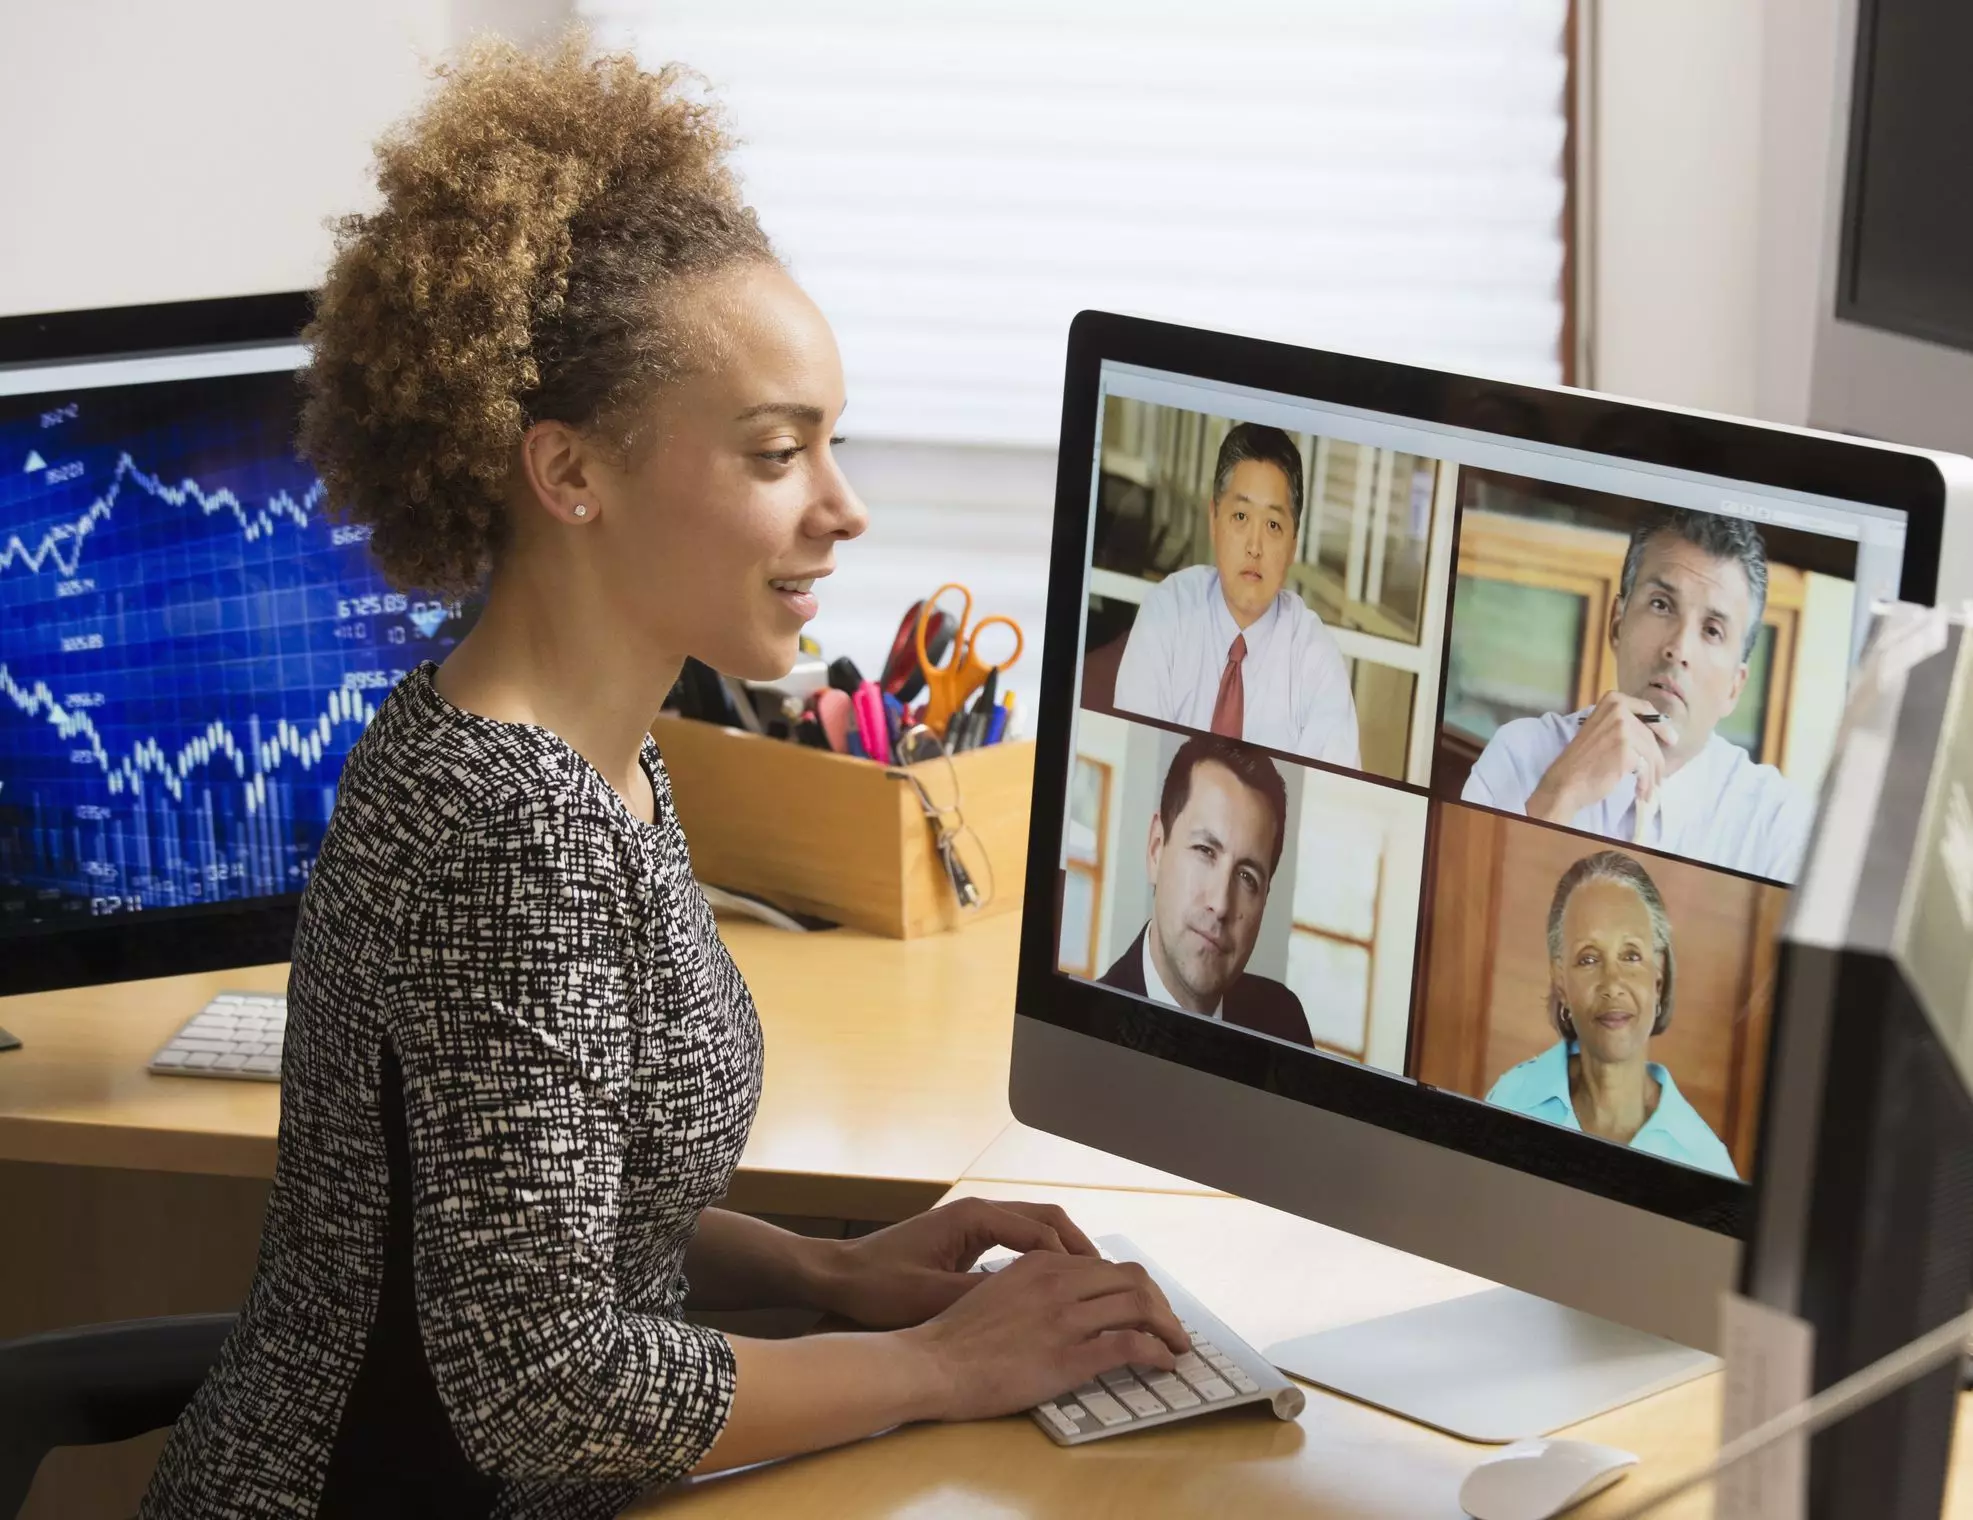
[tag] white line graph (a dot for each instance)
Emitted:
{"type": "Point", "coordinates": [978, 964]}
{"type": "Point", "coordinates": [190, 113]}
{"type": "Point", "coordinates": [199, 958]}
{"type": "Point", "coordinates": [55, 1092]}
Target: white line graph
{"type": "Point", "coordinates": [255, 522]}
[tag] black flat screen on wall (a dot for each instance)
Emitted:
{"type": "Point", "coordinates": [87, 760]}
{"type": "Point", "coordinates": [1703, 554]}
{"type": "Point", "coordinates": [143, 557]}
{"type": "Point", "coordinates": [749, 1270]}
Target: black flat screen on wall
{"type": "Point", "coordinates": [1907, 253]}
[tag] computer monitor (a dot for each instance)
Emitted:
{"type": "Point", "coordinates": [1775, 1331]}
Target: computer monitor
{"type": "Point", "coordinates": [1333, 964]}
{"type": "Point", "coordinates": [188, 646]}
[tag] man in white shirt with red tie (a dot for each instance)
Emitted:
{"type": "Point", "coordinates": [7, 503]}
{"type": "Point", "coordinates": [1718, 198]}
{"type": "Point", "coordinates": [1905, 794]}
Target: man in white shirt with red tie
{"type": "Point", "coordinates": [1226, 648]}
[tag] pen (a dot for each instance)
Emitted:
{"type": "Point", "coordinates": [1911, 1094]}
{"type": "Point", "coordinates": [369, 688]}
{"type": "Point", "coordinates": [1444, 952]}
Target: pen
{"type": "Point", "coordinates": [997, 724]}
{"type": "Point", "coordinates": [1650, 717]}
{"type": "Point", "coordinates": [870, 723]}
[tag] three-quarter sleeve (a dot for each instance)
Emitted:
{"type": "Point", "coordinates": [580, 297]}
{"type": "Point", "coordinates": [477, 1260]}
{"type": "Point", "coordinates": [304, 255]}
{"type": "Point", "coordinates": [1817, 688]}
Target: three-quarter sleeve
{"type": "Point", "coordinates": [507, 1009]}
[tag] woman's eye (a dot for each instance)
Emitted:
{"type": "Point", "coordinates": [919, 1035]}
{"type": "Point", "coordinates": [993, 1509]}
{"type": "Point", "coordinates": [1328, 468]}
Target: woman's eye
{"type": "Point", "coordinates": [782, 456]}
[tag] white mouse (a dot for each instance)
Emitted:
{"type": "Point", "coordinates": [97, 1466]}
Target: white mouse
{"type": "Point", "coordinates": [1532, 1480]}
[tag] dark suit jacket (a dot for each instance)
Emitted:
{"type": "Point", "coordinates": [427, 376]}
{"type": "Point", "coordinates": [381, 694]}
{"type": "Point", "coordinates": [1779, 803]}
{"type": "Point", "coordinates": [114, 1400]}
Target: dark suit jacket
{"type": "Point", "coordinates": [1252, 1002]}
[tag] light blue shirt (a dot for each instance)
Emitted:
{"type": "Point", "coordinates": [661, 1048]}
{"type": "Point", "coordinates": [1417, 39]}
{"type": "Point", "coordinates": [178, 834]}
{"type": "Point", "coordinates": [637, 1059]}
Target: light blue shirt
{"type": "Point", "coordinates": [1539, 1088]}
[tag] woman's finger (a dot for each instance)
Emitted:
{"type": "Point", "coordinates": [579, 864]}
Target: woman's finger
{"type": "Point", "coordinates": [1118, 1348]}
{"type": "Point", "coordinates": [1139, 1307]}
{"type": "Point", "coordinates": [998, 1225]}
{"type": "Point", "coordinates": [1057, 1219]}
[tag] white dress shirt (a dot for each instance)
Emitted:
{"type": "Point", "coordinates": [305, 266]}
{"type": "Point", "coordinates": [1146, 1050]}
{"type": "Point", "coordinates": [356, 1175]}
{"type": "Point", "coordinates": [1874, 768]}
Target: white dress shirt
{"type": "Point", "coordinates": [1719, 807]}
{"type": "Point", "coordinates": [1295, 685]}
{"type": "Point", "coordinates": [1154, 985]}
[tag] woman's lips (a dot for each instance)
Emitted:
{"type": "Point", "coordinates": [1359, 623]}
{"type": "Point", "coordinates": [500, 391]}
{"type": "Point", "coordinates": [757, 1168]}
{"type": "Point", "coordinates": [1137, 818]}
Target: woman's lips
{"type": "Point", "coordinates": [1615, 1018]}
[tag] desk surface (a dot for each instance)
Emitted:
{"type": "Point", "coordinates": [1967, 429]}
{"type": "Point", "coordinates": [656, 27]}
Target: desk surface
{"type": "Point", "coordinates": [1268, 1275]}
{"type": "Point", "coordinates": [886, 1071]}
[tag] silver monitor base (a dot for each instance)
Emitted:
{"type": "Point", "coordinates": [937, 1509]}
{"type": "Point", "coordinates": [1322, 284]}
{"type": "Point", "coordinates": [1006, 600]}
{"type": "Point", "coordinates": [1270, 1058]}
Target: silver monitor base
{"type": "Point", "coordinates": [1494, 1366]}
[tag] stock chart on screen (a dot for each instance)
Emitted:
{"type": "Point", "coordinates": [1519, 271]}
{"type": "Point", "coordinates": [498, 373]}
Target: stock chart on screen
{"type": "Point", "coordinates": [188, 648]}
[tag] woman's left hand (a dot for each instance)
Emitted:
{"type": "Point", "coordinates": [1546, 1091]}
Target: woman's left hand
{"type": "Point", "coordinates": [910, 1272]}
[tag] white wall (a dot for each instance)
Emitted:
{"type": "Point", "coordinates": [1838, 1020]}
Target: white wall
{"type": "Point", "coordinates": [171, 151]}
{"type": "Point", "coordinates": [1678, 160]}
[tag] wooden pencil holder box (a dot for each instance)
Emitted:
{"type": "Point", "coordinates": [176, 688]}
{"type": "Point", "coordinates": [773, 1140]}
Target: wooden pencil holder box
{"type": "Point", "coordinates": [836, 837]}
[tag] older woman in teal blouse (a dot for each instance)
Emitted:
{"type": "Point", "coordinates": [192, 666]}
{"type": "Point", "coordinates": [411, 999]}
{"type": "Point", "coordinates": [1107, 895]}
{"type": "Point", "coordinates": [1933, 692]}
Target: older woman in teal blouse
{"type": "Point", "coordinates": [1611, 979]}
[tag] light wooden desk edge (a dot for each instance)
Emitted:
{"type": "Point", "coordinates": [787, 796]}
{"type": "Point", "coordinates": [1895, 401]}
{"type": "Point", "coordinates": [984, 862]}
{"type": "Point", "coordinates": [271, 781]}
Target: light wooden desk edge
{"type": "Point", "coordinates": [886, 1072]}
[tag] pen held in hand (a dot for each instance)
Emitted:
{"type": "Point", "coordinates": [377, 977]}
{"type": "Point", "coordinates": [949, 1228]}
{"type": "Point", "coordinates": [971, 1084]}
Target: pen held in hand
{"type": "Point", "coordinates": [1650, 717]}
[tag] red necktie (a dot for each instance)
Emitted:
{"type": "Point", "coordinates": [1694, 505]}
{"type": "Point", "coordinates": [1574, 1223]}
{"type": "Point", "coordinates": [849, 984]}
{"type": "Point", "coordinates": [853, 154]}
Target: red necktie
{"type": "Point", "coordinates": [1230, 708]}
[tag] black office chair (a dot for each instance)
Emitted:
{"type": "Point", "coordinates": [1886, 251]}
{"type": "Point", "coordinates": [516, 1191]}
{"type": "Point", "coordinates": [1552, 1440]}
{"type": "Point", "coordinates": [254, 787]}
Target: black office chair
{"type": "Point", "coordinates": [96, 1383]}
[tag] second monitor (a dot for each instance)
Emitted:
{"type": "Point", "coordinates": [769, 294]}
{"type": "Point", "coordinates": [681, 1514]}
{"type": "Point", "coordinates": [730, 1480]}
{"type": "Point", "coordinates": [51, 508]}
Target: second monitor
{"type": "Point", "coordinates": [1424, 766]}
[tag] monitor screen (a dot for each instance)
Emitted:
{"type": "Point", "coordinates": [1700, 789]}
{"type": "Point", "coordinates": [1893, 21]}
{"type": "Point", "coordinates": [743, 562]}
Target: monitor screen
{"type": "Point", "coordinates": [188, 646]}
{"type": "Point", "coordinates": [1481, 763]}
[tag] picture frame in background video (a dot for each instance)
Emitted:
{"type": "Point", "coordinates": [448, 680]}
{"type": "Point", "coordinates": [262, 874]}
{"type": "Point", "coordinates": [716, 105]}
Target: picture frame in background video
{"type": "Point", "coordinates": [1496, 1021]}
{"type": "Point", "coordinates": [1323, 958]}
{"type": "Point", "coordinates": [1201, 515]}
{"type": "Point", "coordinates": [1535, 642]}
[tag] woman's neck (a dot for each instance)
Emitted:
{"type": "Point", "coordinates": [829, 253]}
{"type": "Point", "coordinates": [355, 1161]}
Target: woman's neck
{"type": "Point", "coordinates": [542, 655]}
{"type": "Point", "coordinates": [1612, 1100]}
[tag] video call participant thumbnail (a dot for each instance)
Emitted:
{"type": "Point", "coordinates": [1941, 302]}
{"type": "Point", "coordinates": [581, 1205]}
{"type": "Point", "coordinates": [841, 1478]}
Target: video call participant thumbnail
{"type": "Point", "coordinates": [1215, 844]}
{"type": "Point", "coordinates": [1687, 614]}
{"type": "Point", "coordinates": [1612, 975]}
{"type": "Point", "coordinates": [1225, 647]}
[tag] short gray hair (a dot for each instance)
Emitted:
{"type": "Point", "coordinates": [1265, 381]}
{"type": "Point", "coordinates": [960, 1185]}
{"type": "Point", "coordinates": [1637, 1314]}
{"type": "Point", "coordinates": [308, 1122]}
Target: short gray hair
{"type": "Point", "coordinates": [1731, 538]}
{"type": "Point", "coordinates": [1613, 865]}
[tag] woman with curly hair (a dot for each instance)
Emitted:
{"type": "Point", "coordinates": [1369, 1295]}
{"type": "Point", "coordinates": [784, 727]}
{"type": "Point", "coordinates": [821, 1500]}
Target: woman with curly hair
{"type": "Point", "coordinates": [561, 361]}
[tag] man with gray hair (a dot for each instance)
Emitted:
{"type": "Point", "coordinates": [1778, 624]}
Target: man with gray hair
{"type": "Point", "coordinates": [1646, 764]}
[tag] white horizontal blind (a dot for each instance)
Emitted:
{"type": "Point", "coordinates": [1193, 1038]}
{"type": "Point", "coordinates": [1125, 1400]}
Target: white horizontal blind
{"type": "Point", "coordinates": [954, 182]}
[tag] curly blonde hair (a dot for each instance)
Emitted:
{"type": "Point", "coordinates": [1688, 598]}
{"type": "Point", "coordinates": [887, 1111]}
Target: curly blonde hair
{"type": "Point", "coordinates": [537, 214]}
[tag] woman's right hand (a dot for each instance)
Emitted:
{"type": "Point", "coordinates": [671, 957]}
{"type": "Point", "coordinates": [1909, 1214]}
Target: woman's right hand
{"type": "Point", "coordinates": [1043, 1325]}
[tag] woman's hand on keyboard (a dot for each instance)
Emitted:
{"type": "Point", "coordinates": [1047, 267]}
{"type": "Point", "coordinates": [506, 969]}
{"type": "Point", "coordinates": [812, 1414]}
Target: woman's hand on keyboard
{"type": "Point", "coordinates": [911, 1271]}
{"type": "Point", "coordinates": [1044, 1324]}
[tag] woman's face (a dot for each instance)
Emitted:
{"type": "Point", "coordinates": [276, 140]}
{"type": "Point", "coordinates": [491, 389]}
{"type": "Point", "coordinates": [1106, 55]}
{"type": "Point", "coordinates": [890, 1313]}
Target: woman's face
{"type": "Point", "coordinates": [1609, 976]}
{"type": "Point", "coordinates": [732, 502]}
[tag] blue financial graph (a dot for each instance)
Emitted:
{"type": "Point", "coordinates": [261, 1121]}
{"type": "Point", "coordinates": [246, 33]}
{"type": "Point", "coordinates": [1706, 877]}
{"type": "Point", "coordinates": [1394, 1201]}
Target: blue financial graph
{"type": "Point", "coordinates": [188, 649]}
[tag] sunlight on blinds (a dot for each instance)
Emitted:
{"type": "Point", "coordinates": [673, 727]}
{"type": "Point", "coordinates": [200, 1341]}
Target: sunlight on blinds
{"type": "Point", "coordinates": [953, 183]}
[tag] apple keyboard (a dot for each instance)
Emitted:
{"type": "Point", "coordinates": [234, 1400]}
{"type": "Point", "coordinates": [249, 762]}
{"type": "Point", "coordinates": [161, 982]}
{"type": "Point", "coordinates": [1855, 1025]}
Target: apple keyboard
{"type": "Point", "coordinates": [1221, 1371]}
{"type": "Point", "coordinates": [236, 1035]}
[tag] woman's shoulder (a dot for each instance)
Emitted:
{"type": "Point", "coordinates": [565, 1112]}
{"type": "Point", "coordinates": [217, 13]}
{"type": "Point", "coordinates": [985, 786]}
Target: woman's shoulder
{"type": "Point", "coordinates": [1535, 1080]}
{"type": "Point", "coordinates": [1683, 1124]}
{"type": "Point", "coordinates": [434, 771]}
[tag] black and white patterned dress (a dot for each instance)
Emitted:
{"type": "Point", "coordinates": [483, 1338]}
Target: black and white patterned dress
{"type": "Point", "coordinates": [519, 1062]}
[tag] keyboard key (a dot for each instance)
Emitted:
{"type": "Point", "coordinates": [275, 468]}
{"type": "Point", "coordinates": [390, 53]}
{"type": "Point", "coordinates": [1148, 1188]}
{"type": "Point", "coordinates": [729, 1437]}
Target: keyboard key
{"type": "Point", "coordinates": [1059, 1420]}
{"type": "Point", "coordinates": [1190, 1362]}
{"type": "Point", "coordinates": [168, 1057]}
{"type": "Point", "coordinates": [1109, 1411]}
{"type": "Point", "coordinates": [1089, 1388]}
{"type": "Point", "coordinates": [265, 1066]}
{"type": "Point", "coordinates": [1241, 1381]}
{"type": "Point", "coordinates": [231, 1061]}
{"type": "Point", "coordinates": [1117, 1377]}
{"type": "Point", "coordinates": [1142, 1401]}
{"type": "Point", "coordinates": [1175, 1393]}
{"type": "Point", "coordinates": [1213, 1390]}
{"type": "Point", "coordinates": [199, 1060]}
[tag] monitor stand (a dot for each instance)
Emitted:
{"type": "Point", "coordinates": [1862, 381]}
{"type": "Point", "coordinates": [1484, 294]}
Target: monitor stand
{"type": "Point", "coordinates": [1496, 1366]}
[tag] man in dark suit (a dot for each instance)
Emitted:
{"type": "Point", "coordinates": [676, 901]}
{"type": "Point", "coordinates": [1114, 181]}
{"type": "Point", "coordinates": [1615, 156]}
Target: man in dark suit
{"type": "Point", "coordinates": [1214, 847]}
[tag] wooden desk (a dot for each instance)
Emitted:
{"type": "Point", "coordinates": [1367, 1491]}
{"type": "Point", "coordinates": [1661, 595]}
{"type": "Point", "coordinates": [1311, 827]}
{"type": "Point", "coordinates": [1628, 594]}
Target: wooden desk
{"type": "Point", "coordinates": [1022, 1155]}
{"type": "Point", "coordinates": [1268, 1275]}
{"type": "Point", "coordinates": [886, 1072]}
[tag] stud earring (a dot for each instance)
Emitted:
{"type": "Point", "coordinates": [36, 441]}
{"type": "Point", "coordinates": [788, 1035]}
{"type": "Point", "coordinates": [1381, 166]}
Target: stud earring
{"type": "Point", "coordinates": [581, 509]}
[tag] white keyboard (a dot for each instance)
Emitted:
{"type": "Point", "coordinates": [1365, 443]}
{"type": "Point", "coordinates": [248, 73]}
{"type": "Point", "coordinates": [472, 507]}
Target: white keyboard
{"type": "Point", "coordinates": [237, 1034]}
{"type": "Point", "coordinates": [1221, 1371]}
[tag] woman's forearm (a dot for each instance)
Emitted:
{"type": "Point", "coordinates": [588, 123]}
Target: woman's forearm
{"type": "Point", "coordinates": [802, 1395]}
{"type": "Point", "coordinates": [735, 1262]}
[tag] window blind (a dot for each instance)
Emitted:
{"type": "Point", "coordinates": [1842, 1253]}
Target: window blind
{"type": "Point", "coordinates": [953, 183]}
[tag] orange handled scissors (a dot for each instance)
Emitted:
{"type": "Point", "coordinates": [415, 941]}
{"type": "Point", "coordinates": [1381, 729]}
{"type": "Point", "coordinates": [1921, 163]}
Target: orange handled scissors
{"type": "Point", "coordinates": [963, 672]}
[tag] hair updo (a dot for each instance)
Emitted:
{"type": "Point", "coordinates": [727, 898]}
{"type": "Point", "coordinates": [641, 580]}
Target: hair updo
{"type": "Point", "coordinates": [537, 212]}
